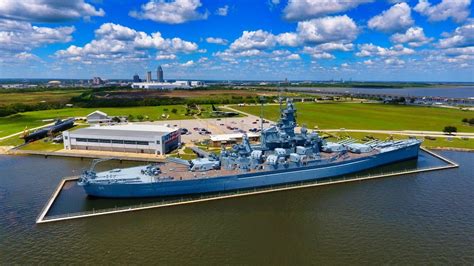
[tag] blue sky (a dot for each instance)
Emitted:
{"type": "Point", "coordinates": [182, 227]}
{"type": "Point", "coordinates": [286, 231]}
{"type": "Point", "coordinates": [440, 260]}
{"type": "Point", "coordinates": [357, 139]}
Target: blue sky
{"type": "Point", "coordinates": [415, 40]}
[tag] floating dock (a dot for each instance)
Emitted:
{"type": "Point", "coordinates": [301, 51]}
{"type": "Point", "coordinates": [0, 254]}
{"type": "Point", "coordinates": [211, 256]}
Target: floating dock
{"type": "Point", "coordinates": [43, 218]}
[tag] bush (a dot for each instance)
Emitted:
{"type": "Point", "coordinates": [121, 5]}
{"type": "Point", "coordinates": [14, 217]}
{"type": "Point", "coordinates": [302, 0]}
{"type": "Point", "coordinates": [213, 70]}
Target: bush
{"type": "Point", "coordinates": [450, 129]}
{"type": "Point", "coordinates": [174, 110]}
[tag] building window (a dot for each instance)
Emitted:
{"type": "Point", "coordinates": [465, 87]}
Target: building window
{"type": "Point", "coordinates": [81, 140]}
{"type": "Point", "coordinates": [158, 142]}
{"type": "Point", "coordinates": [142, 142]}
{"type": "Point", "coordinates": [116, 141]}
{"type": "Point", "coordinates": [92, 140]}
{"type": "Point", "coordinates": [104, 141]}
{"type": "Point", "coordinates": [65, 137]}
{"type": "Point", "coordinates": [130, 142]}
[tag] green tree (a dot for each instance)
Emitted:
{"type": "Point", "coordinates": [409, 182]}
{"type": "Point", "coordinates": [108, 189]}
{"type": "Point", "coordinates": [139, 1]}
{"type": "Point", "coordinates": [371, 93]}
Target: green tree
{"type": "Point", "coordinates": [450, 129]}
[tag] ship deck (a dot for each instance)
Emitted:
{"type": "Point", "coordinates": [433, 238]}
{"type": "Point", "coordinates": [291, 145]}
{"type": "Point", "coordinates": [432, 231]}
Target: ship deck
{"type": "Point", "coordinates": [181, 172]}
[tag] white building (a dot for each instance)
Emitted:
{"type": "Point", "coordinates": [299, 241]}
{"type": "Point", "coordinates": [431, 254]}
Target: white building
{"type": "Point", "coordinates": [179, 84]}
{"type": "Point", "coordinates": [97, 117]}
{"type": "Point", "coordinates": [136, 138]}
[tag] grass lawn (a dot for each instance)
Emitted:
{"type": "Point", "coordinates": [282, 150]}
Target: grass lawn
{"type": "Point", "coordinates": [42, 145]}
{"type": "Point", "coordinates": [371, 116]}
{"type": "Point", "coordinates": [444, 141]}
{"type": "Point", "coordinates": [17, 122]}
{"type": "Point", "coordinates": [57, 96]}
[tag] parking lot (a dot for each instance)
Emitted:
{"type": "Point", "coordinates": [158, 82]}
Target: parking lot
{"type": "Point", "coordinates": [214, 126]}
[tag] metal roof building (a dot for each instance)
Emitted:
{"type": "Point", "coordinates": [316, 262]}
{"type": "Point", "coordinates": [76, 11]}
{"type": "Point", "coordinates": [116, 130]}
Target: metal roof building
{"type": "Point", "coordinates": [136, 138]}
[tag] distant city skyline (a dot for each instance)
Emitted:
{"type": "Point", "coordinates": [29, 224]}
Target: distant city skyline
{"type": "Point", "coordinates": [384, 40]}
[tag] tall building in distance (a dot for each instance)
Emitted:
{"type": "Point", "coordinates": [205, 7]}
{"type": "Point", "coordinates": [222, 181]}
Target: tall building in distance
{"type": "Point", "coordinates": [148, 76]}
{"type": "Point", "coordinates": [136, 78]}
{"type": "Point", "coordinates": [159, 73]}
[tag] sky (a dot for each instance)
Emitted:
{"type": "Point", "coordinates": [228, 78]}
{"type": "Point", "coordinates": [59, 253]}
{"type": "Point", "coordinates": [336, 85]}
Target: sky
{"type": "Point", "coordinates": [373, 40]}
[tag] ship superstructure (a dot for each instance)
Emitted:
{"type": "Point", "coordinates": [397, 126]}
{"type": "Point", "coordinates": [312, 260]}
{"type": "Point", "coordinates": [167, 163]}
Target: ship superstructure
{"type": "Point", "coordinates": [282, 156]}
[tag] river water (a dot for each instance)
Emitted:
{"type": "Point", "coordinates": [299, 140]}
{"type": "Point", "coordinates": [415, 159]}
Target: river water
{"type": "Point", "coordinates": [446, 92]}
{"type": "Point", "coordinates": [420, 218]}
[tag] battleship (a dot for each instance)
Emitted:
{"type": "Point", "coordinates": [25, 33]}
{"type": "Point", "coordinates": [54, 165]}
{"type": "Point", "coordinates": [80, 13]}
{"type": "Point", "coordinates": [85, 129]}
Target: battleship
{"type": "Point", "coordinates": [282, 156]}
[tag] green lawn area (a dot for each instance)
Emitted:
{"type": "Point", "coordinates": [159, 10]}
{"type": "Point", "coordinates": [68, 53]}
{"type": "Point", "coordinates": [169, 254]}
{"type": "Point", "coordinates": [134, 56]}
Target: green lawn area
{"type": "Point", "coordinates": [445, 141]}
{"type": "Point", "coordinates": [17, 122]}
{"type": "Point", "coordinates": [371, 116]}
{"type": "Point", "coordinates": [42, 145]}
{"type": "Point", "coordinates": [56, 96]}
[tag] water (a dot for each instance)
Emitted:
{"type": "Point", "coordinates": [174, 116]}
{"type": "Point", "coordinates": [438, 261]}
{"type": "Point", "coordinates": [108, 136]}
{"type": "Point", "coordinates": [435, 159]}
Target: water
{"type": "Point", "coordinates": [421, 218]}
{"type": "Point", "coordinates": [446, 92]}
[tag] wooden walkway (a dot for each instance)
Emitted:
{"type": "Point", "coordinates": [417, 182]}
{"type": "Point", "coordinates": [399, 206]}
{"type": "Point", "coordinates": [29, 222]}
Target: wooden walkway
{"type": "Point", "coordinates": [183, 201]}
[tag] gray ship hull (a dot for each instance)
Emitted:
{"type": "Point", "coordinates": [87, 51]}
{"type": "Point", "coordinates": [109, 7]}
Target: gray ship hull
{"type": "Point", "coordinates": [251, 180]}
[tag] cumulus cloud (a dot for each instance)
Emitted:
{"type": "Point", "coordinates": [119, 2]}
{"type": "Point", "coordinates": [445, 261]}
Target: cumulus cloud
{"type": "Point", "coordinates": [328, 29]}
{"type": "Point", "coordinates": [22, 36]}
{"type": "Point", "coordinates": [222, 11]}
{"type": "Point", "coordinates": [457, 10]}
{"type": "Point", "coordinates": [317, 35]}
{"type": "Point", "coordinates": [317, 53]}
{"type": "Point", "coordinates": [165, 56]}
{"type": "Point", "coordinates": [47, 10]}
{"type": "Point", "coordinates": [114, 41]}
{"type": "Point", "coordinates": [414, 36]}
{"type": "Point", "coordinates": [254, 40]}
{"type": "Point", "coordinates": [188, 63]}
{"type": "Point", "coordinates": [394, 61]}
{"type": "Point", "coordinates": [307, 9]}
{"type": "Point", "coordinates": [461, 37]}
{"type": "Point", "coordinates": [170, 12]}
{"type": "Point", "coordinates": [374, 50]}
{"type": "Point", "coordinates": [395, 19]}
{"type": "Point", "coordinates": [216, 40]}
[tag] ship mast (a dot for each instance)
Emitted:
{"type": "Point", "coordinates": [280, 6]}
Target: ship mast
{"type": "Point", "coordinates": [262, 140]}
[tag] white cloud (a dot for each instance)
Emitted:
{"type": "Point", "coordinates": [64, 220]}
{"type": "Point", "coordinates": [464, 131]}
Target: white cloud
{"type": "Point", "coordinates": [22, 36]}
{"type": "Point", "coordinates": [188, 63]}
{"type": "Point", "coordinates": [461, 37]}
{"type": "Point", "coordinates": [47, 10]}
{"type": "Point", "coordinates": [397, 18]}
{"type": "Point", "coordinates": [115, 41]}
{"type": "Point", "coordinates": [317, 53]}
{"type": "Point", "coordinates": [331, 46]}
{"type": "Point", "coordinates": [170, 12]}
{"type": "Point", "coordinates": [26, 56]}
{"type": "Point", "coordinates": [374, 50]}
{"type": "Point", "coordinates": [216, 40]}
{"type": "Point", "coordinates": [394, 61]}
{"type": "Point", "coordinates": [222, 11]}
{"type": "Point", "coordinates": [165, 57]}
{"type": "Point", "coordinates": [251, 40]}
{"type": "Point", "coordinates": [414, 36]}
{"type": "Point", "coordinates": [288, 39]}
{"type": "Point", "coordinates": [328, 29]}
{"type": "Point", "coordinates": [368, 62]}
{"type": "Point", "coordinates": [457, 10]}
{"type": "Point", "coordinates": [307, 9]}
{"type": "Point", "coordinates": [293, 57]}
